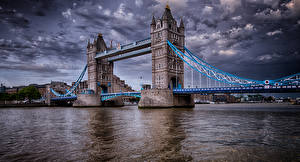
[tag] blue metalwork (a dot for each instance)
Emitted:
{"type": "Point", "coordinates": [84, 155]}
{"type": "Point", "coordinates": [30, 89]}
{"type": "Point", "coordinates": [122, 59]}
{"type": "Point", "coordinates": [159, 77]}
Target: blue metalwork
{"type": "Point", "coordinates": [108, 96]}
{"type": "Point", "coordinates": [258, 89]}
{"type": "Point", "coordinates": [70, 92]}
{"type": "Point", "coordinates": [64, 98]}
{"type": "Point", "coordinates": [212, 72]}
{"type": "Point", "coordinates": [104, 97]}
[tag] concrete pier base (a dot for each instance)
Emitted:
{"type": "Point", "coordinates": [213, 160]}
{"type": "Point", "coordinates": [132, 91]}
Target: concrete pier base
{"type": "Point", "coordinates": [164, 98]}
{"type": "Point", "coordinates": [114, 102]}
{"type": "Point", "coordinates": [87, 100]}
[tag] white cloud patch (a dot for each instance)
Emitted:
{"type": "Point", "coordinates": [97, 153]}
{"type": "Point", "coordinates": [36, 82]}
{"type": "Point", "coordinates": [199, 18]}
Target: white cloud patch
{"type": "Point", "coordinates": [294, 7]}
{"type": "Point", "coordinates": [268, 57]}
{"type": "Point", "coordinates": [274, 32]}
{"type": "Point", "coordinates": [40, 38]}
{"type": "Point", "coordinates": [249, 27]}
{"type": "Point", "coordinates": [82, 38]}
{"type": "Point", "coordinates": [139, 3]}
{"type": "Point", "coordinates": [190, 23]}
{"type": "Point", "coordinates": [207, 10]}
{"type": "Point", "coordinates": [67, 14]}
{"type": "Point", "coordinates": [177, 4]}
{"type": "Point", "coordinates": [121, 13]}
{"type": "Point", "coordinates": [236, 18]}
{"type": "Point", "coordinates": [203, 39]}
{"type": "Point", "coordinates": [229, 52]}
{"type": "Point", "coordinates": [0, 8]}
{"type": "Point", "coordinates": [273, 3]}
{"type": "Point", "coordinates": [116, 34]}
{"type": "Point", "coordinates": [100, 7]}
{"type": "Point", "coordinates": [235, 32]}
{"type": "Point", "coordinates": [107, 12]}
{"type": "Point", "coordinates": [264, 57]}
{"type": "Point", "coordinates": [230, 6]}
{"type": "Point", "coordinates": [269, 14]}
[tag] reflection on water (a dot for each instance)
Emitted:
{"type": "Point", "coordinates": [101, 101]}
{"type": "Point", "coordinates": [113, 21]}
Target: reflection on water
{"type": "Point", "coordinates": [207, 132]}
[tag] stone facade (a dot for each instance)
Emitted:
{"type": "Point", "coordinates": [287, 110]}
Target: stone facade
{"type": "Point", "coordinates": [100, 77]}
{"type": "Point", "coordinates": [87, 100]}
{"type": "Point", "coordinates": [100, 71]}
{"type": "Point", "coordinates": [164, 98]}
{"type": "Point", "coordinates": [167, 67]}
{"type": "Point", "coordinates": [83, 85]}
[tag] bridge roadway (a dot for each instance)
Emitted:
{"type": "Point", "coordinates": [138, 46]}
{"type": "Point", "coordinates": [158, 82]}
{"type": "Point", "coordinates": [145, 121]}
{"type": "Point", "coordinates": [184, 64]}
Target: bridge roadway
{"type": "Point", "coordinates": [104, 96]}
{"type": "Point", "coordinates": [266, 89]}
{"type": "Point", "coordinates": [126, 51]}
{"type": "Point", "coordinates": [270, 89]}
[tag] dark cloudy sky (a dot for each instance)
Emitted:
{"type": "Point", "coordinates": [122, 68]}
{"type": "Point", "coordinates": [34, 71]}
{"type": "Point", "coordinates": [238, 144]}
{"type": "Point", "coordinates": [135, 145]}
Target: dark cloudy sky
{"type": "Point", "coordinates": [44, 40]}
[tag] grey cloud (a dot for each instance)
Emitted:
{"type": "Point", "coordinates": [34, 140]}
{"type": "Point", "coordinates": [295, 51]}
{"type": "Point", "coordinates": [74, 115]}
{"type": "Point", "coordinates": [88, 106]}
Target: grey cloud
{"type": "Point", "coordinates": [257, 54]}
{"type": "Point", "coordinates": [13, 18]}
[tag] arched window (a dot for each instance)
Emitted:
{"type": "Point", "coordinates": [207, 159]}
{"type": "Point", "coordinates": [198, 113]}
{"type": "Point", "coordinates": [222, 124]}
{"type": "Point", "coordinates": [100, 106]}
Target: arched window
{"type": "Point", "coordinates": [158, 25]}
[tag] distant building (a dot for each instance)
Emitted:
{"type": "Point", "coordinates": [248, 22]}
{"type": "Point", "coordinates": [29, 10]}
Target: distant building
{"type": "Point", "coordinates": [225, 98]}
{"type": "Point", "coordinates": [13, 90]}
{"type": "Point", "coordinates": [83, 85]}
{"type": "Point", "coordinates": [41, 88]}
{"type": "Point", "coordinates": [203, 98]}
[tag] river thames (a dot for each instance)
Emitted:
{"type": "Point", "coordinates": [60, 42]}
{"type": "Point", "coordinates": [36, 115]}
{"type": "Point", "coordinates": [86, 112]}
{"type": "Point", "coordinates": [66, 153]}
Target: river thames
{"type": "Point", "coordinates": [225, 132]}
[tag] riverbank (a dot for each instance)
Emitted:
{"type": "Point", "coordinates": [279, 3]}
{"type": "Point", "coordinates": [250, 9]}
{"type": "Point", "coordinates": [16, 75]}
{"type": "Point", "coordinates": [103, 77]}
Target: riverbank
{"type": "Point", "coordinates": [22, 105]}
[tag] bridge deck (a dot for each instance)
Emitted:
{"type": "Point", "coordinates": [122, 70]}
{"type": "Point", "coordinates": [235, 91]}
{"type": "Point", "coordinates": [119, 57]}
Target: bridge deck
{"type": "Point", "coordinates": [274, 89]}
{"type": "Point", "coordinates": [129, 50]}
{"type": "Point", "coordinates": [131, 54]}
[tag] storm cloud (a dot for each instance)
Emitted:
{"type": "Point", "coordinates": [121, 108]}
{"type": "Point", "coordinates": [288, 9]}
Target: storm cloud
{"type": "Point", "coordinates": [46, 40]}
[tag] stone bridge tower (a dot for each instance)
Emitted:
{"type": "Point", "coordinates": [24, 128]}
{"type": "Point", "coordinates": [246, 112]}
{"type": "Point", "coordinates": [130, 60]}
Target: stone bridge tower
{"type": "Point", "coordinates": [167, 67]}
{"type": "Point", "coordinates": [100, 71]}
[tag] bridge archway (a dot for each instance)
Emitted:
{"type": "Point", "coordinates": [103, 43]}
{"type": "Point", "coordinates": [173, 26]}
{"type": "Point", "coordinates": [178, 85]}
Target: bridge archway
{"type": "Point", "coordinates": [104, 89]}
{"type": "Point", "coordinates": [174, 83]}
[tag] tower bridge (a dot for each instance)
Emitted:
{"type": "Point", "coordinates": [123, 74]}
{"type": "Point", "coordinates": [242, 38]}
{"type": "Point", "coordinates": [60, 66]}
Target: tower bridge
{"type": "Point", "coordinates": [166, 44]}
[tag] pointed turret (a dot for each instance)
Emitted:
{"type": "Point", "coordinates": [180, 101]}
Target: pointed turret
{"type": "Point", "coordinates": [153, 20]}
{"type": "Point", "coordinates": [153, 23]}
{"type": "Point", "coordinates": [100, 44]}
{"type": "Point", "coordinates": [89, 44]}
{"type": "Point", "coordinates": [181, 23]}
{"type": "Point", "coordinates": [111, 46]}
{"type": "Point", "coordinates": [167, 14]}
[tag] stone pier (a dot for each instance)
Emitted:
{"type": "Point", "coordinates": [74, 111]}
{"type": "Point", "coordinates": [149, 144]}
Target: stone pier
{"type": "Point", "coordinates": [164, 98]}
{"type": "Point", "coordinates": [87, 100]}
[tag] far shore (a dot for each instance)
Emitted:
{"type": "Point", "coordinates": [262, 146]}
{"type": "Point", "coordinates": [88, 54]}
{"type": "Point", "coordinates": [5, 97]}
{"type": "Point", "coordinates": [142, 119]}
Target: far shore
{"type": "Point", "coordinates": [214, 104]}
{"type": "Point", "coordinates": [23, 105]}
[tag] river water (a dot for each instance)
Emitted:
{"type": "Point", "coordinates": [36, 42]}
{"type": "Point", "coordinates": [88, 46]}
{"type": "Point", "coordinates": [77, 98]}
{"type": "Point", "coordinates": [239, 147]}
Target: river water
{"type": "Point", "coordinates": [225, 132]}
